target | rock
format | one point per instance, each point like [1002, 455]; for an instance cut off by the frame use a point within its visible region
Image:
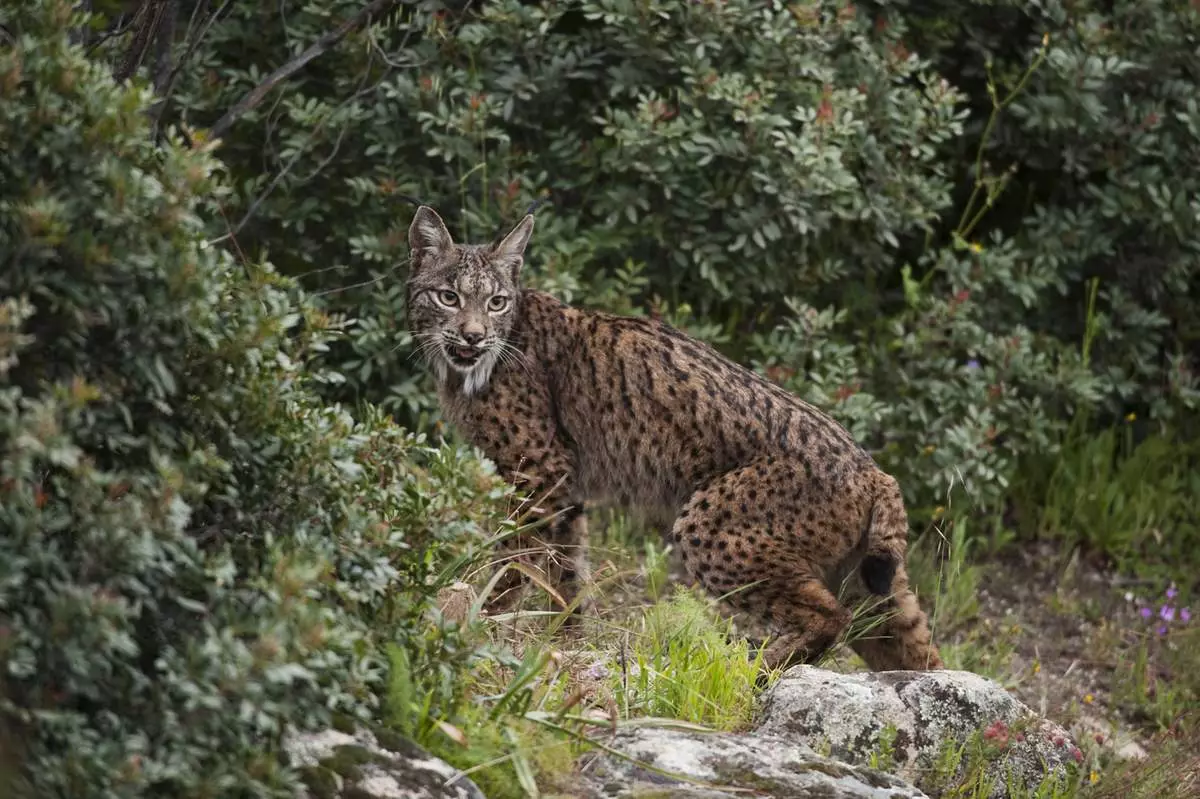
[337, 765]
[455, 600]
[1116, 740]
[715, 765]
[846, 715]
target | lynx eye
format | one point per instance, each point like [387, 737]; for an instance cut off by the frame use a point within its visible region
[448, 298]
[497, 303]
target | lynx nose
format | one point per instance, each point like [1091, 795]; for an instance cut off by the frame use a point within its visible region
[472, 334]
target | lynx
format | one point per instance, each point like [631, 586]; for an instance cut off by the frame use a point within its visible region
[770, 502]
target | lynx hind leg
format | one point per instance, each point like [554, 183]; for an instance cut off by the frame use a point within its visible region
[897, 637]
[752, 538]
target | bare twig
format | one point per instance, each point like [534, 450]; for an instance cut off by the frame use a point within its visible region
[389, 59]
[164, 36]
[192, 43]
[120, 23]
[360, 92]
[119, 27]
[80, 35]
[256, 95]
[145, 22]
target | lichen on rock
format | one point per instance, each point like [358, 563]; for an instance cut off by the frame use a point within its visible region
[923, 712]
[689, 764]
[336, 764]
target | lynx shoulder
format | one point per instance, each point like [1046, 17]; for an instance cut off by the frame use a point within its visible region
[765, 496]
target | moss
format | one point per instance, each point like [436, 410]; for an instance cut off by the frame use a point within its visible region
[828, 768]
[876, 778]
[346, 760]
[391, 740]
[745, 779]
[824, 746]
[354, 792]
[343, 723]
[321, 782]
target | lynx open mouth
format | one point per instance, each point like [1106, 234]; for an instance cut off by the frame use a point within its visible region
[463, 356]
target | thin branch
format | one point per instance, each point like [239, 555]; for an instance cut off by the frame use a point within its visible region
[164, 36]
[389, 59]
[287, 168]
[81, 35]
[272, 119]
[145, 22]
[192, 43]
[121, 22]
[256, 95]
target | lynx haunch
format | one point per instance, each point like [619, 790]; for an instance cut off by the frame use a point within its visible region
[762, 491]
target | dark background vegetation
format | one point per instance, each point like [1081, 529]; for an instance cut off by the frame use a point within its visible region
[971, 231]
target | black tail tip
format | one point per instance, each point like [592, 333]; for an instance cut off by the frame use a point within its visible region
[878, 573]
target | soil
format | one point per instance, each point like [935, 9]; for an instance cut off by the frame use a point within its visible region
[1068, 627]
[1054, 629]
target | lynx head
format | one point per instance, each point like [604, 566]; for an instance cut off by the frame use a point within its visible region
[462, 298]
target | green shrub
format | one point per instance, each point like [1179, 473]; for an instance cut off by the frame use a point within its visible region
[713, 154]
[1127, 500]
[1097, 142]
[195, 554]
[820, 188]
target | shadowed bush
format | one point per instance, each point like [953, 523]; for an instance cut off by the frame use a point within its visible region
[195, 554]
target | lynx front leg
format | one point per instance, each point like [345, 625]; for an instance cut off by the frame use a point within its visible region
[568, 563]
[555, 546]
[514, 422]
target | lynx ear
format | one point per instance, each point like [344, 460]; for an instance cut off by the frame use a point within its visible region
[512, 247]
[428, 232]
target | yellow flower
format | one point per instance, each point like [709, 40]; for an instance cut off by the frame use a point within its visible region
[1093, 778]
[1129, 417]
[975, 247]
[938, 511]
[1037, 667]
[1088, 699]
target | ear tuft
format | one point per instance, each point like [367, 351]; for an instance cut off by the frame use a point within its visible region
[428, 231]
[512, 247]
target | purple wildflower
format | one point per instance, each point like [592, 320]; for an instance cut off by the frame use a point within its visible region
[1167, 613]
[1146, 613]
[1185, 615]
[972, 364]
[1171, 592]
[1162, 629]
[597, 671]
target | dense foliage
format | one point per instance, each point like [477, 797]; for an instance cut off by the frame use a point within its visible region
[820, 188]
[956, 226]
[195, 553]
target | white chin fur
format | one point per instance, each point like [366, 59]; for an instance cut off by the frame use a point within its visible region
[475, 377]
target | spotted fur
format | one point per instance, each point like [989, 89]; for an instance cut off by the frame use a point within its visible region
[770, 501]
